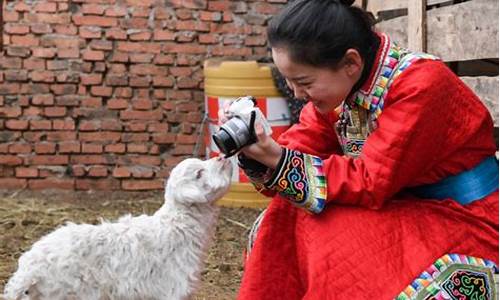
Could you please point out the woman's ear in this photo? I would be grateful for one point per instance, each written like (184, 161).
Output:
(353, 63)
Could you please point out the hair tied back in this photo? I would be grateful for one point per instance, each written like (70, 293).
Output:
(347, 2)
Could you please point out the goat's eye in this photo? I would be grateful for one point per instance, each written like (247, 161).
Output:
(199, 173)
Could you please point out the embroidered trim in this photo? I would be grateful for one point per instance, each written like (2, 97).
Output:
(454, 276)
(300, 178)
(359, 114)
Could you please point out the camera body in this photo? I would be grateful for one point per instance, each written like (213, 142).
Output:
(239, 130)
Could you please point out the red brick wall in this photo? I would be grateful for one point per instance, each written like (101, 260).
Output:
(108, 94)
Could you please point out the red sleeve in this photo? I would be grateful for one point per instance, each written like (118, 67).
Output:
(429, 116)
(314, 134)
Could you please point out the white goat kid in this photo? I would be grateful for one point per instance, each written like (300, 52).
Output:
(144, 257)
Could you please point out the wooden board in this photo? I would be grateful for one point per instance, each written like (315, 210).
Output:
(458, 32)
(487, 90)
(376, 6)
(417, 33)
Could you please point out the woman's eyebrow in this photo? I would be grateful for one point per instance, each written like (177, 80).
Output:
(298, 78)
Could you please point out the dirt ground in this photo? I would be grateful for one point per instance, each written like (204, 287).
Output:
(25, 216)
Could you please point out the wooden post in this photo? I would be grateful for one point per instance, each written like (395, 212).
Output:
(417, 35)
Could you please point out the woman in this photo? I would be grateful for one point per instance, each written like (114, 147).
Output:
(372, 190)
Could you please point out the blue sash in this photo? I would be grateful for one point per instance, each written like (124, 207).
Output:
(466, 187)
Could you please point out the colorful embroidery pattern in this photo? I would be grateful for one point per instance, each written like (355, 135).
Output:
(454, 276)
(356, 124)
(301, 179)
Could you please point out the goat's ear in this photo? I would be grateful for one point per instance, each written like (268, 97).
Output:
(189, 193)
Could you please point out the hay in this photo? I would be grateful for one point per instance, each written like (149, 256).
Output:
(26, 216)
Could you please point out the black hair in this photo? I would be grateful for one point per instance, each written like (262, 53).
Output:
(319, 32)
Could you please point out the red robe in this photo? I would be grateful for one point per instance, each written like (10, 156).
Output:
(373, 239)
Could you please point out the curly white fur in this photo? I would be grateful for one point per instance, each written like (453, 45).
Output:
(144, 257)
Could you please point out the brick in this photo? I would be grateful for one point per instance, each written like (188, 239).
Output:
(49, 7)
(28, 40)
(122, 172)
(22, 7)
(142, 104)
(139, 47)
(91, 102)
(67, 125)
(10, 16)
(48, 18)
(95, 21)
(69, 30)
(185, 48)
(134, 23)
(141, 57)
(164, 59)
(54, 111)
(135, 137)
(183, 150)
(45, 148)
(57, 64)
(41, 28)
(191, 4)
(219, 5)
(161, 13)
(26, 172)
(101, 91)
(89, 125)
(111, 125)
(116, 34)
(108, 184)
(159, 94)
(34, 64)
(90, 32)
(49, 160)
(10, 112)
(42, 76)
(44, 52)
(10, 160)
(40, 125)
(192, 26)
(92, 55)
(160, 81)
(208, 38)
(13, 28)
(163, 35)
(123, 92)
(117, 80)
(141, 115)
(158, 127)
(91, 79)
(115, 148)
(97, 171)
(117, 104)
(210, 16)
(89, 159)
(116, 11)
(139, 35)
(16, 124)
(139, 81)
(78, 170)
(102, 136)
(141, 172)
(184, 14)
(137, 148)
(32, 112)
(136, 185)
(164, 138)
(57, 136)
(93, 9)
(21, 147)
(13, 183)
(63, 89)
(10, 62)
(91, 148)
(135, 126)
(68, 53)
(69, 147)
(52, 183)
(101, 45)
(119, 57)
(16, 75)
(148, 69)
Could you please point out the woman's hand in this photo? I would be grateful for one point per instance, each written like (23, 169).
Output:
(265, 150)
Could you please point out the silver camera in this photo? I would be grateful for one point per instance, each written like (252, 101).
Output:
(239, 131)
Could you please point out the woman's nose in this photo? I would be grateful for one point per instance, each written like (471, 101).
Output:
(298, 92)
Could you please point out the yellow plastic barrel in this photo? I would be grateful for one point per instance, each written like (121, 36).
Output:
(226, 81)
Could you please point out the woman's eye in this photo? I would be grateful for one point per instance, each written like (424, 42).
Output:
(199, 174)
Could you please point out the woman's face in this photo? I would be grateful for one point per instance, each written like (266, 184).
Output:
(325, 87)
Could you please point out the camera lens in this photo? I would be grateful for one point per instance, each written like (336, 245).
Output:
(232, 136)
(224, 141)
